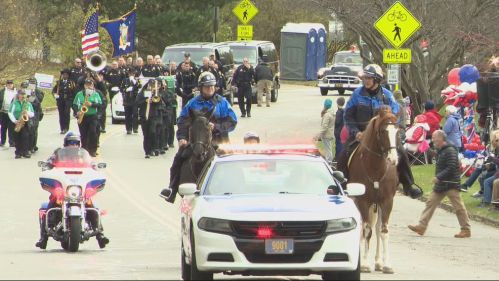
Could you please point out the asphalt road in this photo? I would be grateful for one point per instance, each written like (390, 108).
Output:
(144, 230)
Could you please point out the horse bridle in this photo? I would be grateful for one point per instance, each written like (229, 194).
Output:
(384, 153)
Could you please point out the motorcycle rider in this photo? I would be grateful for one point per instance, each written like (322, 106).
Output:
(360, 109)
(71, 140)
(223, 121)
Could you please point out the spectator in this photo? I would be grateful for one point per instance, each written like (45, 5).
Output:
(339, 122)
(415, 139)
(432, 116)
(326, 133)
(446, 183)
(402, 115)
(487, 185)
(263, 79)
(452, 127)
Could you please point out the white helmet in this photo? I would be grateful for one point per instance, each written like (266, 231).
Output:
(374, 71)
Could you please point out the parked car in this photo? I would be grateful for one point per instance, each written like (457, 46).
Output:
(269, 211)
(254, 50)
(198, 51)
(343, 74)
(117, 108)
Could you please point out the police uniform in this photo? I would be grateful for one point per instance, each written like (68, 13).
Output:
(186, 82)
(151, 70)
(151, 127)
(170, 107)
(64, 92)
(243, 78)
(129, 88)
(75, 73)
(114, 78)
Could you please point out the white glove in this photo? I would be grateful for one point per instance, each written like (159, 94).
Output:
(56, 96)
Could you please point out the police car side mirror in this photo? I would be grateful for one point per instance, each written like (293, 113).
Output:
(186, 189)
(102, 165)
(41, 164)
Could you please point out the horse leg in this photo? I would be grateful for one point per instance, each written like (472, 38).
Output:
(378, 265)
(385, 216)
(366, 236)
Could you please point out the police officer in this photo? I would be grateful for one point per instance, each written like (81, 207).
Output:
(130, 88)
(77, 71)
(360, 109)
(151, 69)
(189, 62)
(224, 120)
(151, 107)
(91, 99)
(186, 82)
(35, 97)
(170, 108)
(113, 77)
(243, 78)
(64, 92)
(139, 67)
(206, 67)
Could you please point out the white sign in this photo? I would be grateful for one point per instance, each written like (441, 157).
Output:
(44, 81)
(393, 76)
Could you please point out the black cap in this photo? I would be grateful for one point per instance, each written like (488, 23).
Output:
(65, 70)
(24, 84)
(10, 81)
(186, 55)
(21, 92)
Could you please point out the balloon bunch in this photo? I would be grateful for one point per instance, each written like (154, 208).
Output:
(462, 91)
(473, 144)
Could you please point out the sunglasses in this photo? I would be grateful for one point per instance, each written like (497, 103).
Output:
(73, 142)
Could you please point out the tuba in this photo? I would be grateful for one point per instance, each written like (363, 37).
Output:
(96, 61)
(24, 117)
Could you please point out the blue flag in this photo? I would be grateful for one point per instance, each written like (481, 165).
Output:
(122, 33)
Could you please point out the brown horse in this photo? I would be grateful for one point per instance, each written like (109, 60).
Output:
(374, 164)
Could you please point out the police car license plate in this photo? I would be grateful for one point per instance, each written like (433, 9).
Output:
(338, 85)
(279, 246)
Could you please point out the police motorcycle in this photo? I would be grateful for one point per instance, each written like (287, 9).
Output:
(70, 217)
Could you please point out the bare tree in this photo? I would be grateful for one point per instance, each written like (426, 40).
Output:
(458, 32)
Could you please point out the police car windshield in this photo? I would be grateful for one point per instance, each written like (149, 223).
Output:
(177, 55)
(241, 52)
(349, 58)
(269, 177)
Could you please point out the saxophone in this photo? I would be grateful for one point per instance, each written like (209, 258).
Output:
(83, 110)
(24, 117)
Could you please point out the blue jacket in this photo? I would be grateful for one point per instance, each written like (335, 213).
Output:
(453, 130)
(224, 118)
(362, 107)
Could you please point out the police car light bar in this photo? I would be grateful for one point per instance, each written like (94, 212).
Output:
(227, 149)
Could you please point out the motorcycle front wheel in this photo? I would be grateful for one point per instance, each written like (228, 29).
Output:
(74, 234)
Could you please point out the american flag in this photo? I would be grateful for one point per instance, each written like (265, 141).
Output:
(90, 35)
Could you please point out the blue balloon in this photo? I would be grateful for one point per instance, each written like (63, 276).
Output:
(469, 73)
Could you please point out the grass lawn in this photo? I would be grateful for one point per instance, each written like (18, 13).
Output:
(423, 176)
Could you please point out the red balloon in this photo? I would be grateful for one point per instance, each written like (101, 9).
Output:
(453, 77)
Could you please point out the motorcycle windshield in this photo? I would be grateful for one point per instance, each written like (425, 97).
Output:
(72, 157)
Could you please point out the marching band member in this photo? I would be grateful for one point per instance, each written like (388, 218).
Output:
(150, 116)
(7, 96)
(20, 112)
(129, 88)
(86, 104)
(35, 97)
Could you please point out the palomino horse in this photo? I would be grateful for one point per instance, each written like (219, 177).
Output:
(200, 149)
(374, 164)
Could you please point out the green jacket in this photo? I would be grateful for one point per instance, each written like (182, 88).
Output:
(17, 107)
(94, 98)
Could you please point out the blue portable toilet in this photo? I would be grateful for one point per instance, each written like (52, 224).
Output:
(299, 47)
(321, 48)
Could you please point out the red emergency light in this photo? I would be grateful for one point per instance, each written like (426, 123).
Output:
(228, 149)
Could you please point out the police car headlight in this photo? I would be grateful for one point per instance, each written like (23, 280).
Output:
(73, 192)
(324, 79)
(215, 225)
(341, 225)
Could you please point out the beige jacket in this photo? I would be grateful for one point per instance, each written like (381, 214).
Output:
(327, 125)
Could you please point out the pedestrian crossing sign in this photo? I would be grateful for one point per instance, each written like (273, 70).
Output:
(245, 11)
(397, 24)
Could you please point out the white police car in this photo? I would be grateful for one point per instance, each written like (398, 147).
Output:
(117, 108)
(269, 211)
